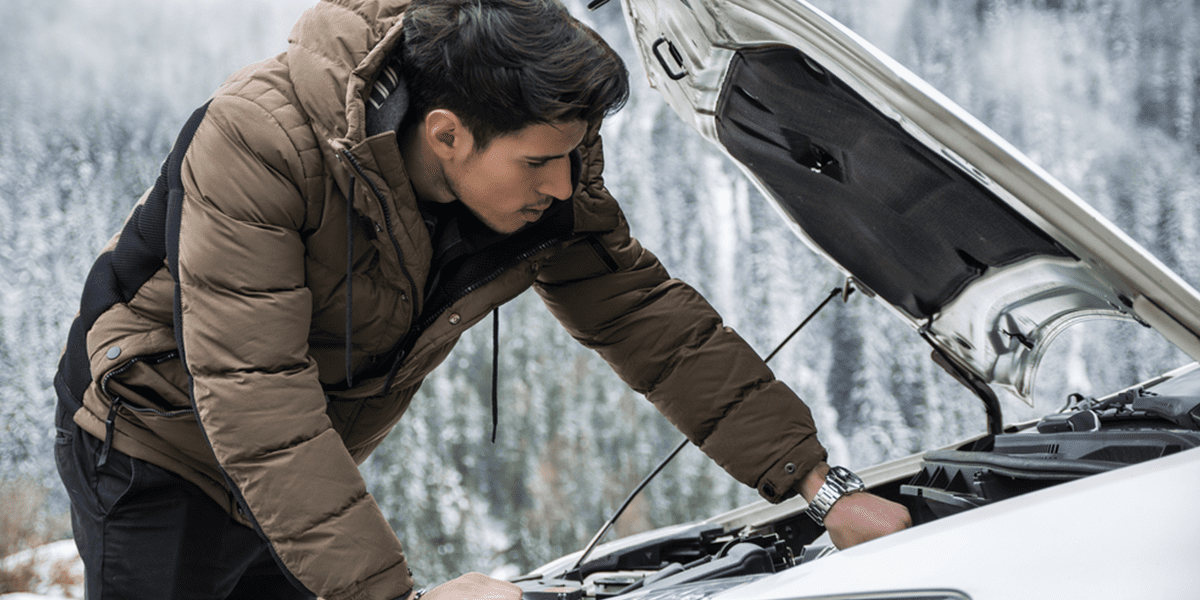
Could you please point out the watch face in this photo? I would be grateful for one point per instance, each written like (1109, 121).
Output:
(850, 481)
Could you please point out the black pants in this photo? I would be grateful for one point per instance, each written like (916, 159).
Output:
(144, 532)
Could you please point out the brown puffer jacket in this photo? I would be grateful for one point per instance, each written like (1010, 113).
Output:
(212, 333)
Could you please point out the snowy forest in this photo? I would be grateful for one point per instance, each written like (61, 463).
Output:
(1101, 93)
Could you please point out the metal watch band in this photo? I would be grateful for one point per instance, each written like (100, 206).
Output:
(839, 482)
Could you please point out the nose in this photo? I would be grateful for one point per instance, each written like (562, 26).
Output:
(556, 179)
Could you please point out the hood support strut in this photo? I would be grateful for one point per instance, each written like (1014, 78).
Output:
(844, 291)
(995, 416)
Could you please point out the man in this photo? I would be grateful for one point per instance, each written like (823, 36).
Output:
(324, 230)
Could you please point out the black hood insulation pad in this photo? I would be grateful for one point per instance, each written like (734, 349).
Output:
(902, 219)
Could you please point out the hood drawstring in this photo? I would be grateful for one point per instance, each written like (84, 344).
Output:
(495, 369)
(349, 281)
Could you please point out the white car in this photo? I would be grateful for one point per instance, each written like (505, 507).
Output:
(988, 258)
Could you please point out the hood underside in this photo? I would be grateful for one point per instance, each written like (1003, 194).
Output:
(923, 206)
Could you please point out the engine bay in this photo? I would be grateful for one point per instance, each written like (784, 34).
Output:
(1087, 437)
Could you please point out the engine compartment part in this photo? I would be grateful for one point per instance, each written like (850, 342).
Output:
(1089, 436)
(1004, 466)
(696, 554)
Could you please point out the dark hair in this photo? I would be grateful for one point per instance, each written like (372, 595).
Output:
(501, 65)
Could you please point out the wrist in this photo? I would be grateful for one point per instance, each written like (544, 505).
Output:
(839, 483)
(812, 482)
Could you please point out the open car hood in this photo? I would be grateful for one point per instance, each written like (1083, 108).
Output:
(919, 203)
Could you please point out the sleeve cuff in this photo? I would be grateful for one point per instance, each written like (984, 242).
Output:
(782, 479)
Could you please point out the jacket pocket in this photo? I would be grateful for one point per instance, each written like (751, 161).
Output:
(150, 385)
(151, 393)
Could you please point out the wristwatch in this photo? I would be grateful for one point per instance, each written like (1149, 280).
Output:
(839, 482)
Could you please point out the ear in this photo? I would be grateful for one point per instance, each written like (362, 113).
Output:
(446, 135)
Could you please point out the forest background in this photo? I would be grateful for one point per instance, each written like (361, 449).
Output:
(1101, 93)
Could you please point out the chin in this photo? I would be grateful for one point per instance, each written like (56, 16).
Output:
(506, 228)
(515, 227)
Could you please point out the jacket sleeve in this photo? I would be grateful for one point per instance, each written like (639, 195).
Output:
(243, 318)
(664, 340)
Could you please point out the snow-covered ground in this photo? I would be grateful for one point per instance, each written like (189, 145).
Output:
(57, 572)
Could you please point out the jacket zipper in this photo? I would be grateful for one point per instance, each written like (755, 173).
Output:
(418, 328)
(462, 293)
(387, 222)
(115, 401)
(416, 331)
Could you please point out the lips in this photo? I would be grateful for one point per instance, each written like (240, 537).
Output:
(533, 213)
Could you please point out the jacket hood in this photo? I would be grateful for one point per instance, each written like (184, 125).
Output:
(335, 49)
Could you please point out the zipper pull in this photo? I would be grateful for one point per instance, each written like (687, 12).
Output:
(391, 376)
(109, 425)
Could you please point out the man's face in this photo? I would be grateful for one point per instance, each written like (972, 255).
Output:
(517, 176)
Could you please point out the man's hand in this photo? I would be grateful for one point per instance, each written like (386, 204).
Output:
(862, 517)
(474, 586)
(856, 518)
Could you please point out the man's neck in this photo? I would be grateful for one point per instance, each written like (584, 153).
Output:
(423, 167)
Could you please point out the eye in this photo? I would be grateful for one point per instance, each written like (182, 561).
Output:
(535, 164)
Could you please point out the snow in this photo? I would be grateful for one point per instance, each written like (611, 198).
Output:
(50, 562)
(1102, 93)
